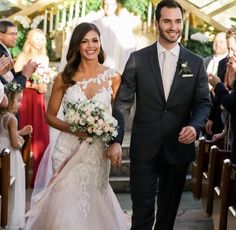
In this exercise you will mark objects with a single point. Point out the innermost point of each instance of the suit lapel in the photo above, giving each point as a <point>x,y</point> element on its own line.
<point>181,59</point>
<point>155,67</point>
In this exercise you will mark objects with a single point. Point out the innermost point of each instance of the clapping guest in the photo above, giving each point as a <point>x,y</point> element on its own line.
<point>215,126</point>
<point>33,106</point>
<point>8,36</point>
<point>227,97</point>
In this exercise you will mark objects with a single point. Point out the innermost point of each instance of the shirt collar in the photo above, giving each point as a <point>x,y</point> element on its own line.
<point>175,51</point>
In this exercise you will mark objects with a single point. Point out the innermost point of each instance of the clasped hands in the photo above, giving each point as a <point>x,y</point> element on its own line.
<point>114,153</point>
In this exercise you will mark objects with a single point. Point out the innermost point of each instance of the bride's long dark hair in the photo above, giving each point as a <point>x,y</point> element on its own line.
<point>73,56</point>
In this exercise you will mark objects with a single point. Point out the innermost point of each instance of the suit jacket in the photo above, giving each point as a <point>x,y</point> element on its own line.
<point>157,123</point>
<point>222,68</point>
<point>215,114</point>
<point>228,100</point>
<point>18,77</point>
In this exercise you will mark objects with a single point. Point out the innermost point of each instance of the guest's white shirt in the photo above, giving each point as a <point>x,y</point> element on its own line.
<point>214,62</point>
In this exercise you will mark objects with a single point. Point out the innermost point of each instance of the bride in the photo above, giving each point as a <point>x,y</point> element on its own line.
<point>79,195</point>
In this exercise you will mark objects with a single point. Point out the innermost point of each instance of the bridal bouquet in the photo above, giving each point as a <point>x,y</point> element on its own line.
<point>90,116</point>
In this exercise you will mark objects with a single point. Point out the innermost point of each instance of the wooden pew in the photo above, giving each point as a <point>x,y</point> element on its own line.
<point>200,165</point>
<point>212,176</point>
<point>225,197</point>
<point>25,151</point>
<point>6,183</point>
<point>231,218</point>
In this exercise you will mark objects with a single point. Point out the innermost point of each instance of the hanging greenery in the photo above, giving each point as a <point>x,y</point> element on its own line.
<point>93,5</point>
<point>137,7</point>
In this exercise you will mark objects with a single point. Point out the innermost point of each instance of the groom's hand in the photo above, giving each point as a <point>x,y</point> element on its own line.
<point>187,135</point>
<point>114,153</point>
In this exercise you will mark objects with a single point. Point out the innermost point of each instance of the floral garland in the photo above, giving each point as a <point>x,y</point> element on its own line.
<point>24,21</point>
<point>201,37</point>
<point>36,21</point>
<point>27,23</point>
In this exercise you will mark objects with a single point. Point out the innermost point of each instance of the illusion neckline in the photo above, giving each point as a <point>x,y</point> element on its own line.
<point>94,78</point>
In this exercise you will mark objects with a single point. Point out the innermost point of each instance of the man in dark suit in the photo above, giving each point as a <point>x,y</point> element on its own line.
<point>8,36</point>
<point>220,51</point>
<point>170,112</point>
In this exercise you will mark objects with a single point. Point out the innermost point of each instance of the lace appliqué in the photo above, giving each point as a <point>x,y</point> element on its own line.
<point>92,169</point>
<point>105,76</point>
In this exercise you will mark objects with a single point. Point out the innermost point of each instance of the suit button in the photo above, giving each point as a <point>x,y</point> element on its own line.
<point>165,111</point>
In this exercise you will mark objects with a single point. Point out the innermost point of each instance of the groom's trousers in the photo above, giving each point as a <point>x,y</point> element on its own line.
<point>152,179</point>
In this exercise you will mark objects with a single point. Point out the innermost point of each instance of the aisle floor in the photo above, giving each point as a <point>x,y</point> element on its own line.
<point>190,214</point>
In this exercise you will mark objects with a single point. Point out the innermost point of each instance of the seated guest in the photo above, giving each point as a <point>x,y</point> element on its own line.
<point>8,36</point>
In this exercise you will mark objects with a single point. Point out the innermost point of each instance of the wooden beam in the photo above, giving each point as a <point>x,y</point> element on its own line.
<point>221,9</point>
<point>39,5</point>
<point>190,7</point>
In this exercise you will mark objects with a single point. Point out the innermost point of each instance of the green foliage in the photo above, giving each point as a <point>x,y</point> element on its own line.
<point>202,49</point>
<point>93,5</point>
<point>233,20</point>
<point>22,32</point>
<point>137,7</point>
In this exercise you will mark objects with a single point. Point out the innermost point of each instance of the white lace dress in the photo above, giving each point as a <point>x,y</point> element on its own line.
<point>80,198</point>
<point>16,209</point>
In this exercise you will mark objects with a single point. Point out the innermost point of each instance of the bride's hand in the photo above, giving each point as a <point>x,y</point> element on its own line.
<point>81,135</point>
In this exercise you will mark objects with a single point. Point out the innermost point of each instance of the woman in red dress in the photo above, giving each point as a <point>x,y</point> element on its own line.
<point>32,110</point>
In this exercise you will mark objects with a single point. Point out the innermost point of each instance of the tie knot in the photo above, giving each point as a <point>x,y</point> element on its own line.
<point>166,53</point>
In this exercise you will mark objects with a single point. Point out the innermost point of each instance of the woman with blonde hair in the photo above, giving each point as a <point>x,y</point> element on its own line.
<point>33,106</point>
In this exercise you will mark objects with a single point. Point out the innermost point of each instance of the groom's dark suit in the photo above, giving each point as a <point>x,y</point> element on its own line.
<point>18,77</point>
<point>155,150</point>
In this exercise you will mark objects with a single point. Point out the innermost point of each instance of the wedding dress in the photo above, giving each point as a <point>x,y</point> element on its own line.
<point>80,197</point>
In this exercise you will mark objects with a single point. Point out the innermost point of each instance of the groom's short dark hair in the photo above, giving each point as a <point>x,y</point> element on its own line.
<point>168,4</point>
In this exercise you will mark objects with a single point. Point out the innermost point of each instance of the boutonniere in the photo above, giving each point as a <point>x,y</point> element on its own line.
<point>184,69</point>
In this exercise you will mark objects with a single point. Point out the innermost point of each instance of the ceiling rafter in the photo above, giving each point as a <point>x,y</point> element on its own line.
<point>221,9</point>
<point>39,5</point>
<point>190,7</point>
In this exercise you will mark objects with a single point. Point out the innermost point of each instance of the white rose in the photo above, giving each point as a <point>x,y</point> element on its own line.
<point>90,120</point>
<point>100,122</point>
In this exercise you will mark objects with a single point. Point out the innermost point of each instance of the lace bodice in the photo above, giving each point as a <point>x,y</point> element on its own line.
<point>99,86</point>
<point>101,90</point>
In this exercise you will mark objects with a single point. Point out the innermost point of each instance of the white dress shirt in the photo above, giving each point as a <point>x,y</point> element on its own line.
<point>174,55</point>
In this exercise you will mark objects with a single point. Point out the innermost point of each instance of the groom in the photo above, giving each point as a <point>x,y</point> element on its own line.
<point>171,106</point>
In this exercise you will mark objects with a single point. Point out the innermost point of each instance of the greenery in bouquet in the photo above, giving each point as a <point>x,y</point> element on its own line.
<point>90,116</point>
